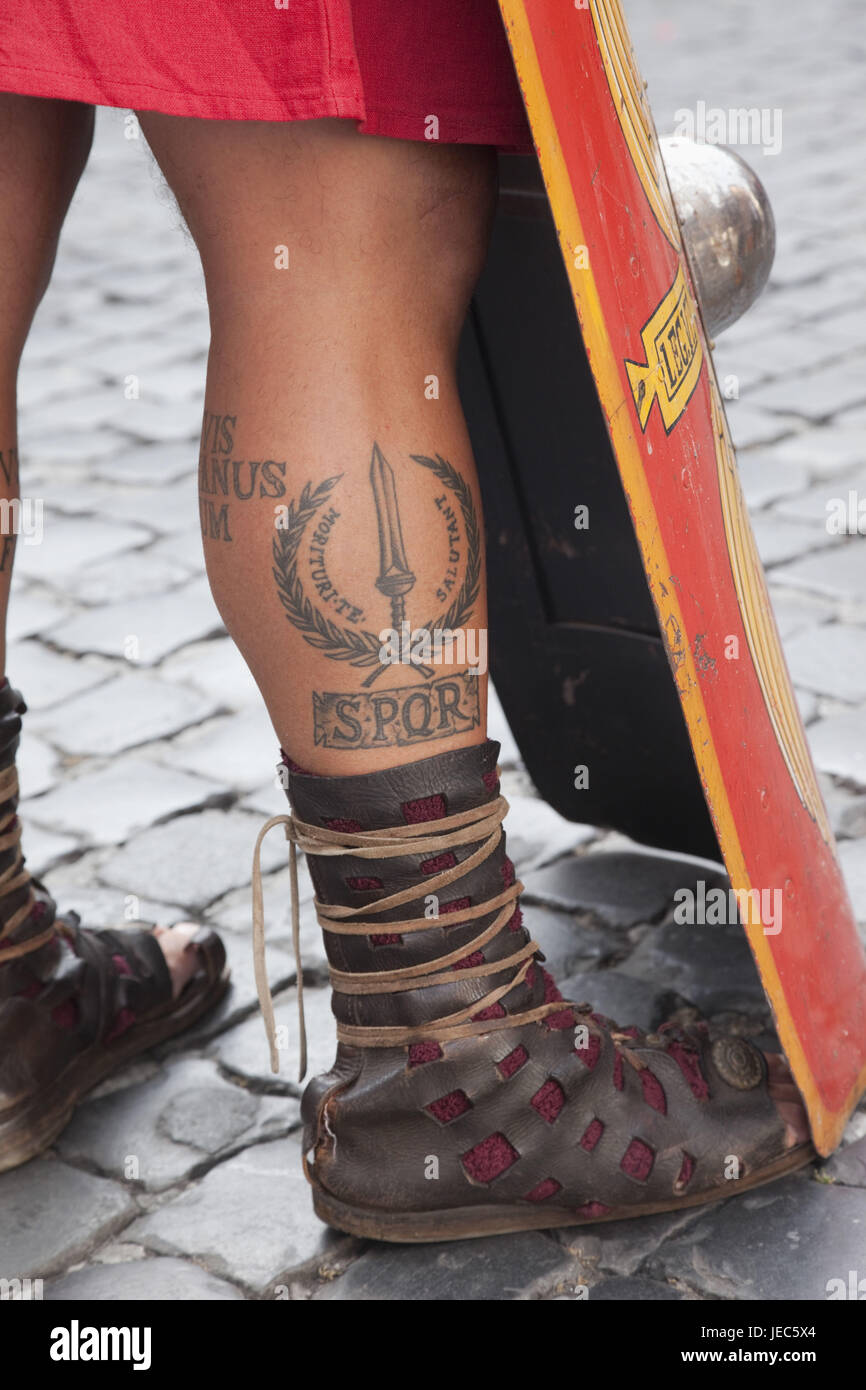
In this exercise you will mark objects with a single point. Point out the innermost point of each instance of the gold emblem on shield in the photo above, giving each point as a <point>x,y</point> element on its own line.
<point>674,356</point>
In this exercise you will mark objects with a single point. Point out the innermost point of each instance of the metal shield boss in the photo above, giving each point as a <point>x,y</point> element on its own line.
<point>643,644</point>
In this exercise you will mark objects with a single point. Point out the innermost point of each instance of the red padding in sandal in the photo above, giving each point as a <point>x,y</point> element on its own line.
<point>425,808</point>
<point>419,1053</point>
<point>513,1062</point>
<point>653,1092</point>
<point>548,1100</point>
<point>489,1159</point>
<point>637,1161</point>
<point>591,1135</point>
<point>593,1209</point>
<point>548,1188</point>
<point>450,1107</point>
<point>687,1060</point>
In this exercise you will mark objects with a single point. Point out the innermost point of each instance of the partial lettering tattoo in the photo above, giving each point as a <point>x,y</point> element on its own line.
<point>220,475</point>
<point>396,717</point>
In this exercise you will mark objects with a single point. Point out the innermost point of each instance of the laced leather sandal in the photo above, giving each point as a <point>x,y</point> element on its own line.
<point>75,1004</point>
<point>468,1098</point>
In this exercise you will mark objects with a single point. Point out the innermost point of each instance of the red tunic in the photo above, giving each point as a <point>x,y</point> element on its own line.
<point>391,65</point>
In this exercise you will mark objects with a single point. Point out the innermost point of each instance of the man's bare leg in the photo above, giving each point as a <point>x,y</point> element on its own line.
<point>44,146</point>
<point>339,268</point>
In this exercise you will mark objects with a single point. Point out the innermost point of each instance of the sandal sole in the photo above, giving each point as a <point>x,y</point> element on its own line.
<point>44,1118</point>
<point>468,1223</point>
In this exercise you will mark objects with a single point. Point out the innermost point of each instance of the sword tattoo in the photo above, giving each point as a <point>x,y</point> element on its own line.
<point>395,577</point>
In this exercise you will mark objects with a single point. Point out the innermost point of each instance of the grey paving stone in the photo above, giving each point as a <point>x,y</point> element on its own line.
<point>821,505</point>
<point>847,1166</point>
<point>193,859</point>
<point>241,999</point>
<point>710,965</point>
<point>751,426</point>
<point>250,1219</point>
<point>233,913</point>
<point>38,383</point>
<point>818,394</point>
<point>164,510</point>
<point>622,998</point>
<point>51,1214</point>
<point>37,765</point>
<point>44,847</point>
<point>237,750</point>
<point>838,745</point>
<point>162,1132</point>
<point>147,464</point>
<point>620,888</point>
<point>121,714</point>
<point>156,624</point>
<point>779,540</point>
<point>808,705</point>
<point>184,548</point>
<point>46,678</point>
<point>31,613</point>
<point>831,660</point>
<point>110,804</point>
<point>568,944</point>
<point>826,452</point>
<point>795,609</point>
<point>52,450</point>
<point>68,543</point>
<point>218,670</point>
<point>623,1247</point>
<point>243,1051</point>
<point>765,477</point>
<point>537,834</point>
<point>786,1241</point>
<point>838,572</point>
<point>633,1291</point>
<point>499,729</point>
<point>159,421</point>
<point>76,888</point>
<point>122,577</point>
<point>852,857</point>
<point>500,1268</point>
<point>152,1281</point>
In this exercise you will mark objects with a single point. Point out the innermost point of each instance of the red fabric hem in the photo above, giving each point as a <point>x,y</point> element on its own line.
<point>507,134</point>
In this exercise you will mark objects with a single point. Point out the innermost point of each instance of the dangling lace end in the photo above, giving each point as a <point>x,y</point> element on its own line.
<point>263,988</point>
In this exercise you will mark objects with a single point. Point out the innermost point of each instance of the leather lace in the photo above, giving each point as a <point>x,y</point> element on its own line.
<point>14,877</point>
<point>482,823</point>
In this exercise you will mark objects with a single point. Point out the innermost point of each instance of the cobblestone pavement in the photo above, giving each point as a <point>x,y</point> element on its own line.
<point>181,1178</point>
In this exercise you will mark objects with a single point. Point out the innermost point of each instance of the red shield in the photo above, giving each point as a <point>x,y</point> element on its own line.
<point>649,357</point>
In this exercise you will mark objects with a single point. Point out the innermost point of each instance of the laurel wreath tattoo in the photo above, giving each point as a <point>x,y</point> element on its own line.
<point>361,649</point>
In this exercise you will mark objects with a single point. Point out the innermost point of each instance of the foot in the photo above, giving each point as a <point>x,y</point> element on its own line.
<point>783,1091</point>
<point>181,956</point>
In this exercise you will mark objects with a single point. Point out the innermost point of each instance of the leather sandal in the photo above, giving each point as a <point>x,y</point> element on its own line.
<point>75,1004</point>
<point>468,1098</point>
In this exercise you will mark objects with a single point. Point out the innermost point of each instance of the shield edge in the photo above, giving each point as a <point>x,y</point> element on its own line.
<point>826,1124</point>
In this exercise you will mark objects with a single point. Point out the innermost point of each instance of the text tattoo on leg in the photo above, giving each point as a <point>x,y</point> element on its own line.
<point>224,479</point>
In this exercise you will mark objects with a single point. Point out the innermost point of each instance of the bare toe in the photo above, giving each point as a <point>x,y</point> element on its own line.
<point>181,956</point>
<point>783,1090</point>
